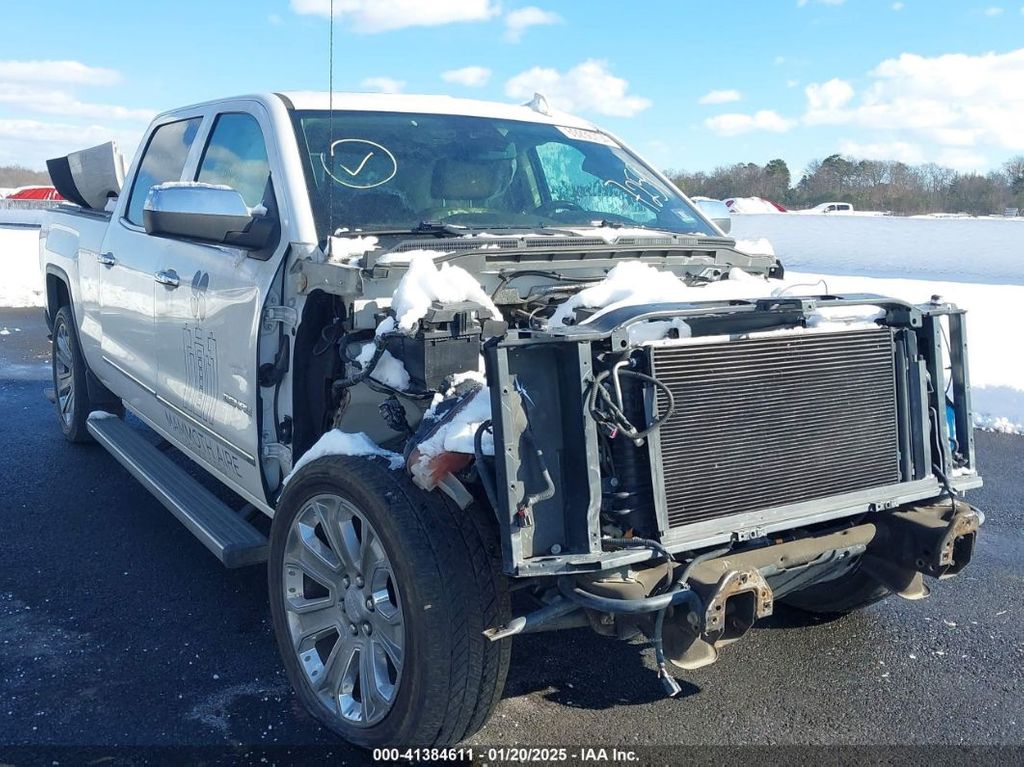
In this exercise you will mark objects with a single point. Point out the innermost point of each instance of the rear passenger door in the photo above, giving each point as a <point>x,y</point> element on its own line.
<point>129,261</point>
<point>208,328</point>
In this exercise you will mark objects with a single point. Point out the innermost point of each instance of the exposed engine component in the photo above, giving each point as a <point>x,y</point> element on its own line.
<point>447,340</point>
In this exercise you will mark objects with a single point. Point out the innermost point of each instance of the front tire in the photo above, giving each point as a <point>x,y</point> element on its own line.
<point>69,378</point>
<point>379,595</point>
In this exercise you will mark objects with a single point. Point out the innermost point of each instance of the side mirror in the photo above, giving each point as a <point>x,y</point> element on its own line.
<point>216,214</point>
<point>717,211</point>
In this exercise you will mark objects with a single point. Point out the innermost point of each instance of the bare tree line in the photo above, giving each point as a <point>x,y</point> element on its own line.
<point>868,184</point>
<point>15,175</point>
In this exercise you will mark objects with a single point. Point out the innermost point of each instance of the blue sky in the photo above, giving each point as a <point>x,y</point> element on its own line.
<point>918,80</point>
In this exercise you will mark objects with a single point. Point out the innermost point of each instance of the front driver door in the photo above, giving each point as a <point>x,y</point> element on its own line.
<point>130,258</point>
<point>207,329</point>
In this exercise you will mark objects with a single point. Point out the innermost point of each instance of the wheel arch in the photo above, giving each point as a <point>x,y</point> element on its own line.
<point>58,293</point>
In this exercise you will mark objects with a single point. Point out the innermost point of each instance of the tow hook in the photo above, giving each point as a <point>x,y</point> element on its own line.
<point>730,607</point>
<point>935,540</point>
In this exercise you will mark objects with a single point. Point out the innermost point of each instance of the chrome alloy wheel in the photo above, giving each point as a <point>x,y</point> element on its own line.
<point>64,375</point>
<point>343,609</point>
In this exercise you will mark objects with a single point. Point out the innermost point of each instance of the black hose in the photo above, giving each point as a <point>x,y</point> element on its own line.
<point>591,601</point>
<point>486,478</point>
<point>549,485</point>
<point>363,374</point>
<point>683,574</point>
<point>678,586</point>
<point>638,543</point>
<point>610,414</point>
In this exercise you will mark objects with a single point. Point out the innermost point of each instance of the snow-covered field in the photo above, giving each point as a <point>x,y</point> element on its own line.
<point>20,281</point>
<point>981,250</point>
<point>977,264</point>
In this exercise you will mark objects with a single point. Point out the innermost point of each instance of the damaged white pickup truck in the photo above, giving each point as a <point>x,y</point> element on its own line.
<point>444,350</point>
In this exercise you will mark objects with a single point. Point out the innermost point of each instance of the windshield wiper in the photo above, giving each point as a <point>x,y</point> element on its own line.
<point>434,228</point>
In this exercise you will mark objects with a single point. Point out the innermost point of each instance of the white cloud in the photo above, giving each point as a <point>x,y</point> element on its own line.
<point>961,159</point>
<point>587,87</point>
<point>521,19</point>
<point>471,77</point>
<point>902,151</point>
<point>56,102</point>
<point>46,88</point>
<point>382,84</point>
<point>32,142</point>
<point>735,124</point>
<point>952,100</point>
<point>826,101</point>
<point>372,16</point>
<point>993,10</point>
<point>70,72</point>
<point>720,97</point>
<point>898,6</point>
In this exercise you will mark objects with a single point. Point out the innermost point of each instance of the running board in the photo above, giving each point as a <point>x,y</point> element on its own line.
<point>232,540</point>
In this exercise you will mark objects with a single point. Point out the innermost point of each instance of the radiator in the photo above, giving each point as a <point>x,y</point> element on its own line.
<point>765,422</point>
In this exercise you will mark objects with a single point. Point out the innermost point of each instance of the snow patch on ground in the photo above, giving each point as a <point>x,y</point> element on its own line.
<point>762,246</point>
<point>993,311</point>
<point>954,250</point>
<point>337,442</point>
<point>99,415</point>
<point>424,283</point>
<point>21,283</point>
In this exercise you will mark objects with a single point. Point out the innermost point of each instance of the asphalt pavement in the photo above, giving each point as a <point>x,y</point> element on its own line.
<point>117,628</point>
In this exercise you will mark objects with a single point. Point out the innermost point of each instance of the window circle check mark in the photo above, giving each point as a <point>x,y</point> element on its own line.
<point>377,165</point>
<point>358,167</point>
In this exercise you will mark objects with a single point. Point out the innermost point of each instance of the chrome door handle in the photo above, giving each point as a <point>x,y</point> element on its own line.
<point>168,278</point>
<point>107,259</point>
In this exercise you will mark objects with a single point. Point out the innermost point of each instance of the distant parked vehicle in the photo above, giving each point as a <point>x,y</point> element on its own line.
<point>753,205</point>
<point>716,210</point>
<point>46,193</point>
<point>832,207</point>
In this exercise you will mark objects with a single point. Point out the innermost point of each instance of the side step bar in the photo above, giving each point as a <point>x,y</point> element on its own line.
<point>232,540</point>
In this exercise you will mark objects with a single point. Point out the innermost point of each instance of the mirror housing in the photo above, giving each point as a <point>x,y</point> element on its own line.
<point>717,211</point>
<point>206,212</point>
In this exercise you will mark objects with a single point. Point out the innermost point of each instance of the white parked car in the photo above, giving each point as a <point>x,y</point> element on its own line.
<point>832,207</point>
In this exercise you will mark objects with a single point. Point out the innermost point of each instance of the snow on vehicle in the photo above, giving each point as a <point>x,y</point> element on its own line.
<point>448,348</point>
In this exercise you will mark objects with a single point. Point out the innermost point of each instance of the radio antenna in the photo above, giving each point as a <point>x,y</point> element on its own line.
<point>330,118</point>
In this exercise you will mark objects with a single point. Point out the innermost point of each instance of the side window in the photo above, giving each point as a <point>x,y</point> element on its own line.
<point>163,161</point>
<point>236,156</point>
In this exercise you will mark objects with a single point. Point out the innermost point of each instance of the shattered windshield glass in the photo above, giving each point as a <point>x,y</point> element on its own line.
<point>391,171</point>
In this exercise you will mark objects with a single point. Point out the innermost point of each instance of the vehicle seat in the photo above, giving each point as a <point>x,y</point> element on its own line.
<point>465,186</point>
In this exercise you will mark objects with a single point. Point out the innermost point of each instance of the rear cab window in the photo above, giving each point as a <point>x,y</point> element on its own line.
<point>163,161</point>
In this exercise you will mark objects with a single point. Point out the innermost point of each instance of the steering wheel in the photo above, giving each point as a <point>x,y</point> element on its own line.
<point>553,207</point>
